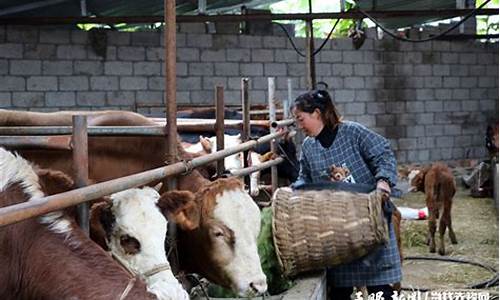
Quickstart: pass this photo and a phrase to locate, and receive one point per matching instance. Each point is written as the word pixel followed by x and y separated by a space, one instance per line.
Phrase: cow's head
pixel 416 180
pixel 224 247
pixel 338 173
pixel 135 231
pixel 231 162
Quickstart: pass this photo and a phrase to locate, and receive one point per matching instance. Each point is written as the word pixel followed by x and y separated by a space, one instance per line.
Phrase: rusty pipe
pixel 219 125
pixel 125 130
pixel 81 166
pixel 92 130
pixel 58 142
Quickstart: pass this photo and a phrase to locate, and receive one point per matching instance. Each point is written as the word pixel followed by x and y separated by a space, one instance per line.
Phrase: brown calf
pixel 438 184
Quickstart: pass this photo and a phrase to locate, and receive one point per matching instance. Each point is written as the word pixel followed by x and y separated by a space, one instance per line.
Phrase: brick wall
pixel 433 100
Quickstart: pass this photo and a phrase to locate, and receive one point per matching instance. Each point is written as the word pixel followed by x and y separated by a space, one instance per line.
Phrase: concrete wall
pixel 433 100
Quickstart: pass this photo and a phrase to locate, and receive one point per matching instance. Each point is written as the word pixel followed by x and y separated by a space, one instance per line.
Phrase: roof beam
pixel 353 14
pixel 29 6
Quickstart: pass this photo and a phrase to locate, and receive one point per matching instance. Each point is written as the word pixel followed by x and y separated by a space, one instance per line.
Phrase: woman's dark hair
pixel 321 100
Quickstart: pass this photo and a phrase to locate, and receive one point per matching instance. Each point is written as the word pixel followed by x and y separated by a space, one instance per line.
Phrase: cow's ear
pixel 404 171
pixel 181 208
pixel 54 182
pixel 420 177
pixel 102 221
pixel 206 144
pixel 347 172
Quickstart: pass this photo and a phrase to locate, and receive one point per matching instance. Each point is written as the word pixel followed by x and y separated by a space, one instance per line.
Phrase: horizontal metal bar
pixel 202 160
pixel 264 112
pixel 184 125
pixel 453 37
pixel 59 142
pixel 92 130
pixel 229 123
pixel 445 13
pixel 36 207
pixel 259 167
pixel 282 123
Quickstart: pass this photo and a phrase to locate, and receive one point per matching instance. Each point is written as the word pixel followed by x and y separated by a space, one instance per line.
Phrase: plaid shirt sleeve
pixel 377 153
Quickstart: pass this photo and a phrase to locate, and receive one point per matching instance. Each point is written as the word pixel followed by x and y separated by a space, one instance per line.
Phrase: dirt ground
pixel 475 222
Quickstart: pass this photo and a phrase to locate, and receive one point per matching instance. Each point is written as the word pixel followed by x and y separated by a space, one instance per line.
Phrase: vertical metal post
pixel 461 4
pixel 494 169
pixel 310 63
pixel 245 133
pixel 83 8
pixel 81 166
pixel 245 105
pixel 286 103
pixel 202 7
pixel 219 125
pixel 272 118
pixel 170 79
pixel 171 109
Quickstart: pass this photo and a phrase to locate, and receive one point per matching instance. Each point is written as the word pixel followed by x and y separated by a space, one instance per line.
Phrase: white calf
pixel 232 162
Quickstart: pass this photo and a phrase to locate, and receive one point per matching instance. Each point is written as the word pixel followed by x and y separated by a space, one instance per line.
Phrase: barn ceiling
pixel 69 8
pixel 116 8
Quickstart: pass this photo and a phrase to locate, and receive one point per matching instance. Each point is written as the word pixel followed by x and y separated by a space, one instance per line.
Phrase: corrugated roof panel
pixel 393 23
pixel 110 7
pixel 70 8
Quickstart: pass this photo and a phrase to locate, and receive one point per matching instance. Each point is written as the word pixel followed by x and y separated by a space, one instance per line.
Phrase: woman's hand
pixel 384 188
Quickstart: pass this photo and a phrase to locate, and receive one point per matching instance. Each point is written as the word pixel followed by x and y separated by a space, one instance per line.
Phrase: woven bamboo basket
pixel 314 229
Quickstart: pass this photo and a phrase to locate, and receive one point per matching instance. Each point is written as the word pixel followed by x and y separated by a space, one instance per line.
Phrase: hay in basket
pixel 314 229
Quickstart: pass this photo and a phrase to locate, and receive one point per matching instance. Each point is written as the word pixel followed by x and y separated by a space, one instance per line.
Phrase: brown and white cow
pixel 438 184
pixel 50 257
pixel 225 242
pixel 113 157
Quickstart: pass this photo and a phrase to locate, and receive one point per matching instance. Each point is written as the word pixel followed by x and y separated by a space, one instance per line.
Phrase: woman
pixel 369 159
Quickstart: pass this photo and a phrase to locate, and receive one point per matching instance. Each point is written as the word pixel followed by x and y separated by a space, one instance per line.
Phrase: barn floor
pixel 475 222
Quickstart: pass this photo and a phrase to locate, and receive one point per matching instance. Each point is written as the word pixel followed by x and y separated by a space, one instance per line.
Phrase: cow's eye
pixel 219 234
pixel 130 244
